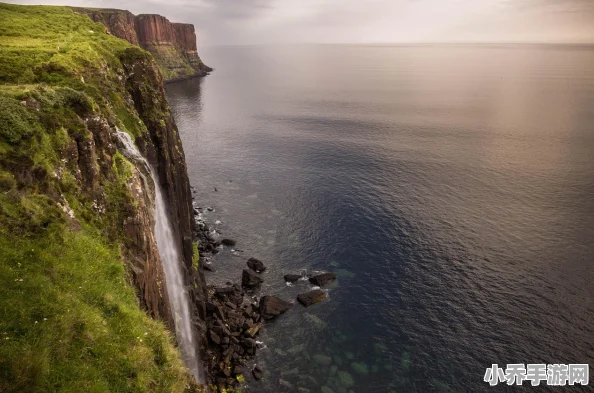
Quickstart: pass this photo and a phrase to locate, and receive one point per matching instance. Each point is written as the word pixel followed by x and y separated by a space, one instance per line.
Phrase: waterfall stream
pixel 170 258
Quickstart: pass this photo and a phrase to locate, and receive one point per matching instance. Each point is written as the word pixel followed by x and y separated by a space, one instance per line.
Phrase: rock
pixel 257 372
pixel 311 297
pixel 346 379
pixel 317 322
pixel 253 331
pixel 322 279
pixel 272 306
pixel 249 343
pixel 322 359
pixel 256 265
pixel 249 279
pixel 360 368
pixel 326 389
pixel 228 242
pixel 292 277
pixel 224 290
pixel 214 337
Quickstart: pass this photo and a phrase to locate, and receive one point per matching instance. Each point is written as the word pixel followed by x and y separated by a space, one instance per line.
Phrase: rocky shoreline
pixel 235 314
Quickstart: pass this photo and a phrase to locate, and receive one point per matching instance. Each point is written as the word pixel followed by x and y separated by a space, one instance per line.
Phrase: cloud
pixel 279 21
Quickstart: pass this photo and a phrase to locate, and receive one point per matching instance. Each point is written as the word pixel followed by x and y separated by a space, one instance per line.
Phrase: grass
pixel 70 320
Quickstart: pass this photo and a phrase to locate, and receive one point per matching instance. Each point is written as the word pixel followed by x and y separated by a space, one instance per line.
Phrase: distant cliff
pixel 173 45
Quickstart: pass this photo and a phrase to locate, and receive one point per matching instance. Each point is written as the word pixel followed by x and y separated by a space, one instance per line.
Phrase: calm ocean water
pixel 451 188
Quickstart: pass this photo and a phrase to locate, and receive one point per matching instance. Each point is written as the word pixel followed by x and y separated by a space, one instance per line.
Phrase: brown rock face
pixel 172 44
pixel 118 23
pixel 154 29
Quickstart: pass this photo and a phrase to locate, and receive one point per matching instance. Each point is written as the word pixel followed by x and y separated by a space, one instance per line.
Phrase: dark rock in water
pixel 249 343
pixel 228 242
pixel 311 297
pixel 292 277
pixel 214 337
pixel 253 331
pixel 322 279
pixel 256 265
pixel 224 290
pixel 272 307
pixel 215 251
pixel 250 279
pixel 257 372
pixel 208 268
pixel 210 209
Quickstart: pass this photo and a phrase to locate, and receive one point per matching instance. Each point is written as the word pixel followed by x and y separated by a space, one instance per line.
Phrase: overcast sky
pixel 377 21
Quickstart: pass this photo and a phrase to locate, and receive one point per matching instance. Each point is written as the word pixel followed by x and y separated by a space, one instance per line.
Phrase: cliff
pixel 83 299
pixel 173 45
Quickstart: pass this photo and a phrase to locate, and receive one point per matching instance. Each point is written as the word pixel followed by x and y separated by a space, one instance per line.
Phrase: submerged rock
pixel 311 297
pixel 256 265
pixel 292 277
pixel 257 372
pixel 346 379
pixel 322 359
pixel 250 279
pixel 317 322
pixel 322 279
pixel 272 306
pixel 360 368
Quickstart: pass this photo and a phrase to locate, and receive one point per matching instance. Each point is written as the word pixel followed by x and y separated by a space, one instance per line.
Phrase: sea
pixel 449 187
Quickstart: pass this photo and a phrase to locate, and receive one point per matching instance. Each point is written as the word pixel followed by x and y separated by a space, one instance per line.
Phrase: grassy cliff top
pixel 70 320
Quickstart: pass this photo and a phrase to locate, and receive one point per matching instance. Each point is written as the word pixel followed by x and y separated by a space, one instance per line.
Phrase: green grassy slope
pixel 69 318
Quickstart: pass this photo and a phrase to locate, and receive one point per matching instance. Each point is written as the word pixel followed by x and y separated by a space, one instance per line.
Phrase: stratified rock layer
pixel 172 44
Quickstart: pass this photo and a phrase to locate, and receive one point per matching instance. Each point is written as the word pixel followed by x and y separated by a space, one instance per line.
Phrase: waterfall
pixel 172 263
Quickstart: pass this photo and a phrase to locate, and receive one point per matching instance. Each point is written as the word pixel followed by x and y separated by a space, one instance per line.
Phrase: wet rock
pixel 228 242
pixel 316 321
pixel 292 277
pixel 360 368
pixel 311 297
pixel 250 279
pixel 214 337
pixel 257 372
pixel 249 343
pixel 322 279
pixel 322 359
pixel 224 290
pixel 253 331
pixel 346 379
pixel 256 265
pixel 272 306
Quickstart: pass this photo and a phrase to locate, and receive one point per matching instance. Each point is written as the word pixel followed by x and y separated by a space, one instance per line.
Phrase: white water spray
pixel 179 300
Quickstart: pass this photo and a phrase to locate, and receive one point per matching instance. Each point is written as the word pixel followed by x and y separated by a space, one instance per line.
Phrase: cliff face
pixel 77 217
pixel 172 44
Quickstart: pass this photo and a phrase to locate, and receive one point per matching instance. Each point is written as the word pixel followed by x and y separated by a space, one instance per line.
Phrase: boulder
pixel 272 306
pixel 228 242
pixel 311 297
pixel 322 279
pixel 249 343
pixel 256 265
pixel 292 277
pixel 214 338
pixel 257 372
pixel 253 331
pixel 250 279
